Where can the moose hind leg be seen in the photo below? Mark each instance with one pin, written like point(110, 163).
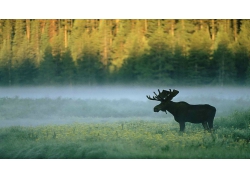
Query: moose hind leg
point(210, 124)
point(211, 118)
point(205, 125)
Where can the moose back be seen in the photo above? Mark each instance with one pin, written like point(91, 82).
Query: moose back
point(184, 112)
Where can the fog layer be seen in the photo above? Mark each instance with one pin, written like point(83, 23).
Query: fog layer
point(123, 92)
point(60, 105)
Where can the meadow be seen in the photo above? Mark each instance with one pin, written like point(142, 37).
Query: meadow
point(133, 139)
point(66, 128)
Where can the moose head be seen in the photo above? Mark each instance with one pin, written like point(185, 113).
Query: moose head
point(165, 97)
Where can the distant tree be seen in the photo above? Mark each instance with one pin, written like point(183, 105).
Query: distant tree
point(68, 72)
point(169, 50)
point(136, 43)
point(34, 42)
point(78, 38)
point(160, 57)
point(223, 59)
point(198, 64)
point(105, 41)
point(5, 65)
point(20, 43)
point(58, 67)
point(6, 76)
point(152, 26)
point(242, 55)
point(180, 73)
point(183, 33)
point(135, 47)
point(118, 47)
point(44, 38)
point(26, 73)
point(90, 69)
point(47, 68)
point(128, 73)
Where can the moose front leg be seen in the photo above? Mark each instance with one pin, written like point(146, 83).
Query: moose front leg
point(182, 126)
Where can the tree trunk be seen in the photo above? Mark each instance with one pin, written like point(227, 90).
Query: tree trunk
point(235, 29)
point(66, 34)
point(52, 29)
point(201, 24)
point(159, 23)
point(28, 29)
point(145, 26)
point(172, 27)
point(116, 26)
point(213, 33)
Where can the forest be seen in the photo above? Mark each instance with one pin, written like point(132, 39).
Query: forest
point(124, 51)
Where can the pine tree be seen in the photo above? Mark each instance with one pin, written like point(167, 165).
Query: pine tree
point(161, 57)
point(198, 65)
point(34, 42)
point(78, 38)
point(184, 30)
point(136, 42)
point(68, 72)
point(6, 54)
point(180, 73)
point(118, 47)
point(135, 47)
point(47, 68)
point(105, 41)
point(90, 67)
point(243, 54)
point(44, 40)
point(223, 58)
point(20, 43)
point(26, 73)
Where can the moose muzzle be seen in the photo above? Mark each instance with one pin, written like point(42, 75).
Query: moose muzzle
point(156, 109)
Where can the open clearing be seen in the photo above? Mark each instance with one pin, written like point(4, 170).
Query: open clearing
point(105, 122)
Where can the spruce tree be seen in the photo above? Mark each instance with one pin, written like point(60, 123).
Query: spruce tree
point(161, 57)
point(242, 56)
point(223, 59)
point(6, 76)
point(198, 64)
point(68, 71)
point(47, 68)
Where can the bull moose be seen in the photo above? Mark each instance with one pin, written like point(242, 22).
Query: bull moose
point(184, 112)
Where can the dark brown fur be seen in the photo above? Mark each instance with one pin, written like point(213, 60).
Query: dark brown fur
point(184, 112)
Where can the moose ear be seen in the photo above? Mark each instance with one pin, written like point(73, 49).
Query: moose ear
point(175, 92)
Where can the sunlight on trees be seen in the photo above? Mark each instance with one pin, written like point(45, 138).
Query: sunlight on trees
point(186, 52)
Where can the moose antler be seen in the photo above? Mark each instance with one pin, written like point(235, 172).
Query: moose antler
point(156, 97)
point(164, 95)
point(172, 94)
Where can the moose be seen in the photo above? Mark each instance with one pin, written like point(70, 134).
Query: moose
point(184, 112)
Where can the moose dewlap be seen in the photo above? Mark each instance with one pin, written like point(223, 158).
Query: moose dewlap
point(184, 112)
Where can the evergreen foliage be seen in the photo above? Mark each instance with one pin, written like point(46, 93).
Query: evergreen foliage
point(184, 52)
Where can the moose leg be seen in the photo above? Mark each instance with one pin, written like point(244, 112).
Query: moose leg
point(210, 124)
point(204, 124)
point(182, 126)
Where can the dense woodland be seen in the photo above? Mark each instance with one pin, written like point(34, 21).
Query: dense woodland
point(114, 51)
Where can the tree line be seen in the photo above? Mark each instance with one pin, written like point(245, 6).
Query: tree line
point(130, 51)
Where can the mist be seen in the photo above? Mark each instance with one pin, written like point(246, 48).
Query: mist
point(31, 106)
point(135, 93)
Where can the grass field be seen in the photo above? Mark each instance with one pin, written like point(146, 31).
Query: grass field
point(133, 132)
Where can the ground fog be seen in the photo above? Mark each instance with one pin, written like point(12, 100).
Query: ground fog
point(31, 106)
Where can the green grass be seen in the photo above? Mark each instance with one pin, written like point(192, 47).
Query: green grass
point(133, 139)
